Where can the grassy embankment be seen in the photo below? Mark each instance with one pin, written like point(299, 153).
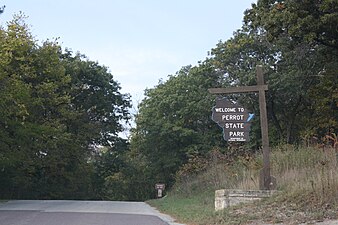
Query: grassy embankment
point(307, 179)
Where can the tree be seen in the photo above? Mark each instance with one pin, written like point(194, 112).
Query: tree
point(174, 122)
point(16, 44)
point(313, 22)
point(54, 109)
point(307, 31)
point(96, 97)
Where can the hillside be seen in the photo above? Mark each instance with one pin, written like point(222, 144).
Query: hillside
point(307, 183)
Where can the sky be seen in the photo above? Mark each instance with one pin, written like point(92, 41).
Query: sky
point(140, 41)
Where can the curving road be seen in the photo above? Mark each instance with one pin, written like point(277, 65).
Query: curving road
point(34, 212)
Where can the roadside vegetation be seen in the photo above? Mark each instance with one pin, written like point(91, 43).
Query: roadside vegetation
point(61, 115)
point(307, 183)
point(293, 41)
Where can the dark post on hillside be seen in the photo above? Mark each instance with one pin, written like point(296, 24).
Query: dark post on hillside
point(266, 182)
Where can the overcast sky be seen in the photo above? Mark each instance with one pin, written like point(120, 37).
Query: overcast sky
point(140, 41)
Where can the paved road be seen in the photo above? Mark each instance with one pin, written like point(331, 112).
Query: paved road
point(80, 213)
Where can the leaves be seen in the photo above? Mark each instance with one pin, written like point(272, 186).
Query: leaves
point(51, 115)
point(295, 41)
point(313, 22)
point(174, 121)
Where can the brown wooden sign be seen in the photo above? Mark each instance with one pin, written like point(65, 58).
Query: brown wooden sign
point(233, 119)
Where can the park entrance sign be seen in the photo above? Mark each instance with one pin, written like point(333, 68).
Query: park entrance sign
point(237, 118)
point(233, 119)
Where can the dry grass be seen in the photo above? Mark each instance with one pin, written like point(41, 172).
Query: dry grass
point(308, 170)
point(307, 179)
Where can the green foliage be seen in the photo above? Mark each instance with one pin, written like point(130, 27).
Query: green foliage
point(96, 97)
point(174, 121)
point(312, 22)
point(295, 41)
point(54, 109)
point(305, 32)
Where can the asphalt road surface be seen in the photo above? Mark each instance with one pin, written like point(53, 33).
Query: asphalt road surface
point(33, 212)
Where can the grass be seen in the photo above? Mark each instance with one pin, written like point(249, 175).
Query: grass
point(192, 209)
point(307, 179)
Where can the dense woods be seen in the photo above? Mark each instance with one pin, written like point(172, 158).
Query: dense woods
point(56, 109)
point(60, 113)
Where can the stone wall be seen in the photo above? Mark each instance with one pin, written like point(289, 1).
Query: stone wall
point(229, 197)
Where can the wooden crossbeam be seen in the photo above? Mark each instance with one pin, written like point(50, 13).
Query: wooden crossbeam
point(233, 90)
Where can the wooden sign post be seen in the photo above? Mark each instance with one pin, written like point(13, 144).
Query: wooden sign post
point(266, 182)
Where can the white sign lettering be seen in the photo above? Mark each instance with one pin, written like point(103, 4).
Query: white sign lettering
point(233, 117)
point(222, 110)
point(236, 134)
point(234, 125)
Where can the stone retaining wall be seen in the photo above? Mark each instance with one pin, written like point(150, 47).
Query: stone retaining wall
point(229, 197)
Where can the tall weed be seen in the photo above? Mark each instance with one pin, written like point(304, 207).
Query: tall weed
point(297, 170)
